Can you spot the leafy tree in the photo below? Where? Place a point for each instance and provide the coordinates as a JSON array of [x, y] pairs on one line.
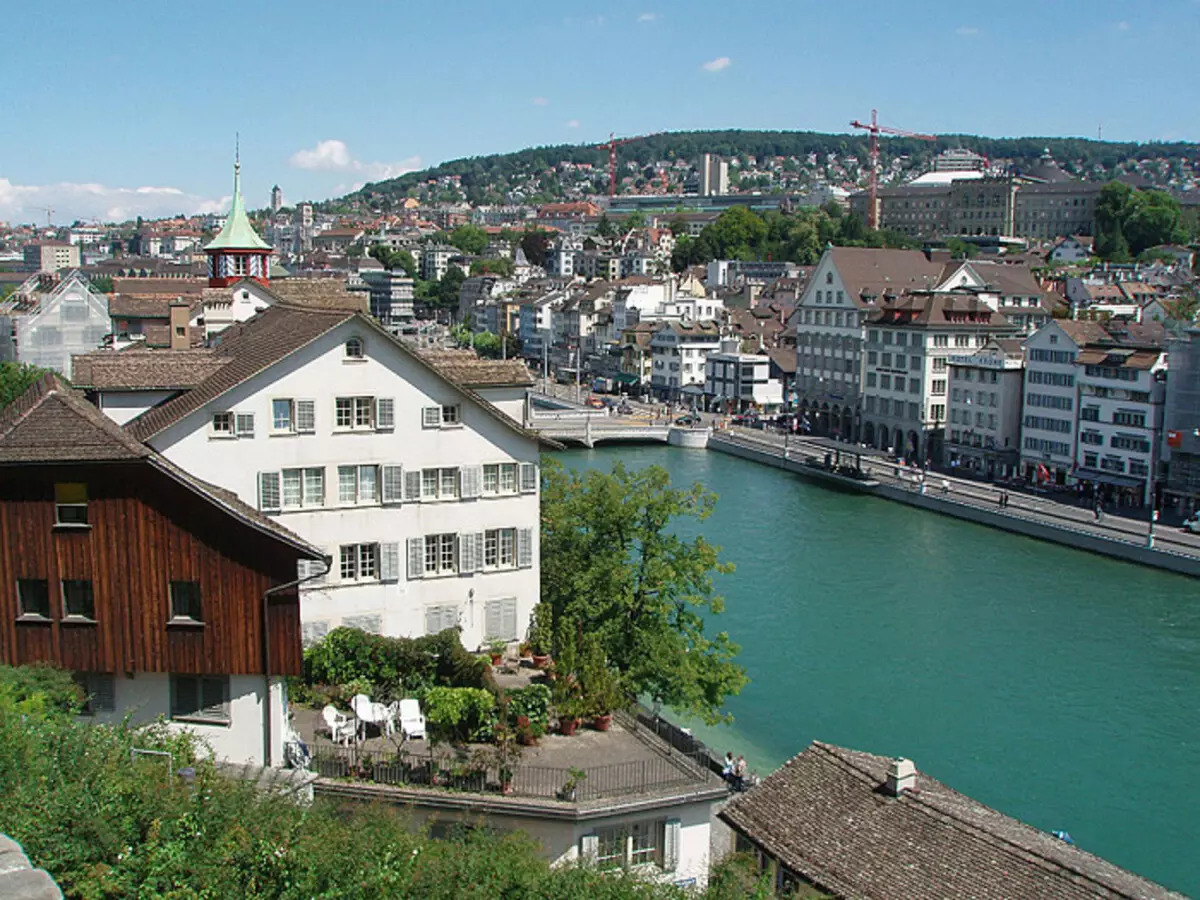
[[470, 239], [961, 249], [102, 284], [391, 259], [448, 286], [501, 266], [15, 379], [536, 244], [1183, 308], [612, 563], [354, 251], [605, 228]]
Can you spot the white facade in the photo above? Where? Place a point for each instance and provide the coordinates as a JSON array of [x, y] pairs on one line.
[[237, 303], [739, 381], [426, 501], [1048, 431], [69, 320], [983, 434], [243, 735], [678, 353], [124, 406]]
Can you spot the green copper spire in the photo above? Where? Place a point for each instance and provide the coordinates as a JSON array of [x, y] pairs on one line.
[[238, 233]]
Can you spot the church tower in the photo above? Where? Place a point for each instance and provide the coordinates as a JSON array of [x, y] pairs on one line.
[[237, 251]]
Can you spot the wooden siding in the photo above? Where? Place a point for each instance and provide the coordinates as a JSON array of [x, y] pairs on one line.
[[145, 530]]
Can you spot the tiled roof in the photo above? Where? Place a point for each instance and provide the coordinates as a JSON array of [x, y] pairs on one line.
[[870, 271], [465, 367], [53, 423], [159, 287], [827, 817], [1118, 359], [940, 309], [320, 293], [139, 369]]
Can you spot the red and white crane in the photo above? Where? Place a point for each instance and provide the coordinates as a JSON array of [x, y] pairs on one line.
[[611, 146], [875, 130]]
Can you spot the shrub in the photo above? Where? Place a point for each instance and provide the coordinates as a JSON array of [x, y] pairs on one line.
[[460, 714], [533, 703], [39, 689]]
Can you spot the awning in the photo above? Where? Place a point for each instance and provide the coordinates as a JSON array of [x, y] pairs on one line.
[[1109, 478], [624, 378]]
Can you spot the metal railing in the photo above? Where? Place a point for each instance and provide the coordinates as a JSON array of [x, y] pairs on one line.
[[643, 776]]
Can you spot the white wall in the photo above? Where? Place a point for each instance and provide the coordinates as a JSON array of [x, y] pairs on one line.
[[147, 696], [320, 372], [123, 406], [509, 400]]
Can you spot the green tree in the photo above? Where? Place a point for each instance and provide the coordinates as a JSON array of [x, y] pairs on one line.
[[101, 283], [604, 227], [613, 562], [448, 287], [961, 249], [15, 379], [536, 244], [499, 266], [470, 239]]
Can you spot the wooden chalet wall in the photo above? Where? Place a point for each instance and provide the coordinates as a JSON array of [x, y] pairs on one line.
[[144, 531]]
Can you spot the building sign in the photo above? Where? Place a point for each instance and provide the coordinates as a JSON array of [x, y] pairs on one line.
[[983, 361]]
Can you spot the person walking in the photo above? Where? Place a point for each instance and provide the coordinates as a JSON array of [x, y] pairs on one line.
[[739, 774], [1098, 509], [727, 768]]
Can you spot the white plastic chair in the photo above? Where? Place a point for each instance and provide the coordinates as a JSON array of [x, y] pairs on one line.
[[341, 729], [412, 723], [369, 712]]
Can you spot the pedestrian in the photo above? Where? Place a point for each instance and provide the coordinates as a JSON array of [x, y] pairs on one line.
[[739, 774], [1000, 499], [945, 486], [727, 767], [1096, 511]]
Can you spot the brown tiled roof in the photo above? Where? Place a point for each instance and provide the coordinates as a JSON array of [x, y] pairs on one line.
[[320, 293], [871, 271], [826, 817], [942, 309], [465, 367], [1083, 331], [141, 306], [141, 369], [158, 287], [784, 359], [158, 335], [53, 423], [1119, 359]]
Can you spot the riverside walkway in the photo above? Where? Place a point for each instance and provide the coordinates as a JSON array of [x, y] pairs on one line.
[[1113, 535]]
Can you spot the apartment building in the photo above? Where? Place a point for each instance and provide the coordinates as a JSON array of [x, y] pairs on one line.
[[678, 351], [1181, 444], [735, 382], [50, 256], [983, 434]]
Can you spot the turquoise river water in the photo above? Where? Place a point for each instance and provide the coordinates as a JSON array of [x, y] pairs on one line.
[[1054, 685]]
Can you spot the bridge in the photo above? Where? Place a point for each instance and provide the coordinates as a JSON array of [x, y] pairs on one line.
[[591, 427]]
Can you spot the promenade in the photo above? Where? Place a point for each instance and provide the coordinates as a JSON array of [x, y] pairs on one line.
[[1041, 517]]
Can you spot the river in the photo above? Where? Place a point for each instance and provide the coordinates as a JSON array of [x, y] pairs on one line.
[[1057, 686]]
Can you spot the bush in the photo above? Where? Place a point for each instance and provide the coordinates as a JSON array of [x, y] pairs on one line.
[[393, 668], [533, 703], [38, 689], [460, 714]]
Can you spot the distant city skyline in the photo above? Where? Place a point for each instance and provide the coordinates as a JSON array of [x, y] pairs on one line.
[[139, 118]]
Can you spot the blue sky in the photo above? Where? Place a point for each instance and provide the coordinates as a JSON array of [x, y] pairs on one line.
[[117, 113]]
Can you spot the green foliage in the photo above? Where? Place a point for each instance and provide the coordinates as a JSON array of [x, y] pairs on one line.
[[38, 691], [460, 714], [501, 266], [961, 249], [532, 702], [536, 243], [470, 239], [614, 564], [448, 286], [101, 283], [1129, 222], [541, 629], [392, 668], [15, 379], [394, 259]]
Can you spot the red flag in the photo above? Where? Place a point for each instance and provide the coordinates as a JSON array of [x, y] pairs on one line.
[[1174, 438], [1043, 473]]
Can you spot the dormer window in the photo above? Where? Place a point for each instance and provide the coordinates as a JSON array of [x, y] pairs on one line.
[[354, 348]]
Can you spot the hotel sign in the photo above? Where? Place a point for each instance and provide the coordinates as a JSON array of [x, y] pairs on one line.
[[983, 361]]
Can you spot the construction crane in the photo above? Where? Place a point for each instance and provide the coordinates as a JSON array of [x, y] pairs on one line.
[[611, 146], [875, 130], [48, 211]]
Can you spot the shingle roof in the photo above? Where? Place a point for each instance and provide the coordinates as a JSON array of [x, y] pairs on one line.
[[139, 369], [141, 306], [942, 309], [53, 423], [869, 271], [466, 368], [319, 293], [826, 817]]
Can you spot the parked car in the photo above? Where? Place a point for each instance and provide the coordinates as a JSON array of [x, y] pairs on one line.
[[625, 409], [688, 421], [595, 403], [1192, 524]]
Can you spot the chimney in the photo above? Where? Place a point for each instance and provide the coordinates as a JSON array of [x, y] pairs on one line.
[[901, 776], [180, 336]]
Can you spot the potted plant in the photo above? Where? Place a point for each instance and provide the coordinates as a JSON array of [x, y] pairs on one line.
[[604, 696], [504, 756], [541, 633], [570, 713], [496, 648], [568, 790]]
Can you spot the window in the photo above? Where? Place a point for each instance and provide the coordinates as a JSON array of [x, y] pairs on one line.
[[914, 385], [500, 548], [939, 412], [648, 842], [33, 597], [508, 478], [99, 692], [78, 600], [200, 697], [354, 348], [939, 386], [886, 361], [1127, 418], [439, 484], [354, 413], [872, 357], [282, 418], [358, 484], [222, 424], [450, 415], [441, 557], [306, 416], [500, 619], [185, 601], [359, 562], [941, 340], [885, 382], [939, 364], [269, 491], [70, 504], [302, 488]]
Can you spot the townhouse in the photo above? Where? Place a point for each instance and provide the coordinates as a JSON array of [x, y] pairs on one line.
[[678, 351], [984, 428]]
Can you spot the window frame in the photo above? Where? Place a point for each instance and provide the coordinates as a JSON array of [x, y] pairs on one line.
[[290, 427], [69, 616], [63, 502], [227, 428], [190, 616], [198, 715], [348, 354], [23, 612]]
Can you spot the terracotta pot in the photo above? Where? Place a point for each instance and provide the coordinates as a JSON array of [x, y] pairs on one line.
[[568, 726], [602, 723], [540, 662], [497, 658]]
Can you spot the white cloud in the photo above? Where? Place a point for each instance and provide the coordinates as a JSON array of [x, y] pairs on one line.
[[334, 156], [72, 200], [573, 123], [967, 31], [717, 65], [540, 101], [649, 17], [1122, 26]]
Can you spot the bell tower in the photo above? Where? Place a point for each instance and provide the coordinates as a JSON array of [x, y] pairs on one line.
[[237, 251]]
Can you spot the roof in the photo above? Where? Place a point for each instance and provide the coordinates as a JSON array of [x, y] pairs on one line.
[[145, 306], [467, 368], [319, 293], [52, 423], [867, 271], [158, 287], [140, 369], [943, 309], [269, 337], [1118, 358], [237, 233], [827, 817]]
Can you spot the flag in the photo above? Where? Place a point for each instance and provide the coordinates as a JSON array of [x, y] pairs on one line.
[[1174, 439], [1043, 473]]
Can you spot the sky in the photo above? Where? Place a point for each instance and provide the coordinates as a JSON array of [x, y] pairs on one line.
[[127, 108]]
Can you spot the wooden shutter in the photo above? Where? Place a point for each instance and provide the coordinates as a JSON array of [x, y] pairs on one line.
[[528, 478], [589, 847], [470, 482], [449, 617], [245, 425], [493, 620], [433, 619], [269, 491], [385, 413], [306, 416], [671, 845], [431, 417], [389, 561], [412, 486], [468, 553], [392, 489], [416, 557], [524, 548]]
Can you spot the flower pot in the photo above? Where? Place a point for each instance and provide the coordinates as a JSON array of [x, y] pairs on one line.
[[567, 795], [568, 726], [602, 723], [540, 662], [497, 658]]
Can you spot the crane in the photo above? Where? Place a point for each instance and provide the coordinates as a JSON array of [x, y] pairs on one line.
[[611, 146], [875, 130], [48, 211]]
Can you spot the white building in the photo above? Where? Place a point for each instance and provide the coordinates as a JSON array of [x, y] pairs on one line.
[[424, 494], [678, 351], [714, 175], [736, 382], [1007, 288], [983, 435], [51, 256], [70, 319], [435, 260]]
